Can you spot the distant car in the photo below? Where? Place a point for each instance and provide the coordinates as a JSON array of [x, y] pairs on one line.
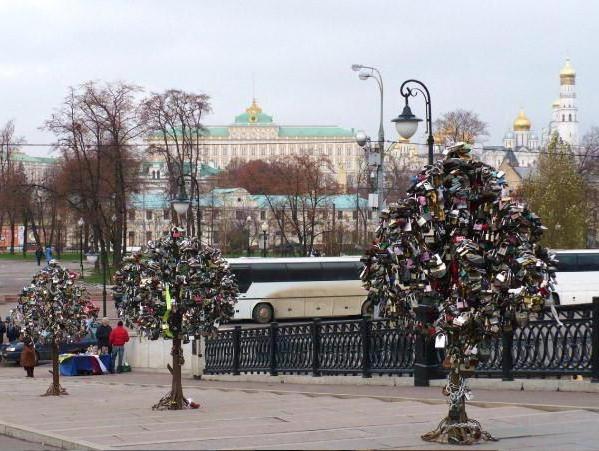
[[12, 351]]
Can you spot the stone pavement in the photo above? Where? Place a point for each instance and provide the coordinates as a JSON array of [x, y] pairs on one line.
[[114, 412]]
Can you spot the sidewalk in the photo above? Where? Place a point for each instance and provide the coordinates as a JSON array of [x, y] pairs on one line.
[[114, 412]]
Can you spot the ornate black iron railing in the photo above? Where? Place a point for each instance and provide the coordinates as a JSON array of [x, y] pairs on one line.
[[364, 346]]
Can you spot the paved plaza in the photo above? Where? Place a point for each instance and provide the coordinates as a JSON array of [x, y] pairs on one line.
[[114, 412]]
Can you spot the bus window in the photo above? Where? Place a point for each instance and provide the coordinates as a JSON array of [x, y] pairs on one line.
[[243, 276], [340, 271], [269, 272], [588, 262], [567, 262], [304, 272]]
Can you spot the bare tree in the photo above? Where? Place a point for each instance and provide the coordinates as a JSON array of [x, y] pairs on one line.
[[459, 125], [173, 125]]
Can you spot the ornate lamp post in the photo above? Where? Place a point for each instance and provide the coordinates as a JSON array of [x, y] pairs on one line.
[[363, 141], [264, 236], [248, 224], [182, 203], [406, 123], [81, 223]]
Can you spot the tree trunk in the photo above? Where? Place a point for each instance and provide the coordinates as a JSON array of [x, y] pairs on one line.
[[177, 387], [55, 389], [12, 237], [25, 236]]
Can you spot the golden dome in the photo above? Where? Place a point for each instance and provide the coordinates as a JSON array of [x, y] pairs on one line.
[[567, 75], [521, 123]]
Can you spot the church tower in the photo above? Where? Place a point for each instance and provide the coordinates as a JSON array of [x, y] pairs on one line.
[[565, 113]]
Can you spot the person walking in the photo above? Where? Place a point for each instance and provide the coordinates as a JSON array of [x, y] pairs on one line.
[[103, 336], [39, 253], [48, 253], [118, 338], [28, 357]]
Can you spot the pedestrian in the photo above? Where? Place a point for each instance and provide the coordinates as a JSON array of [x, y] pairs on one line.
[[12, 331], [2, 331], [48, 253], [28, 357], [103, 336], [118, 338], [39, 253]]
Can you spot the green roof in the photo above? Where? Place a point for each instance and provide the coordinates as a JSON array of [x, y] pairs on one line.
[[149, 201], [18, 156], [219, 132], [259, 118], [325, 131]]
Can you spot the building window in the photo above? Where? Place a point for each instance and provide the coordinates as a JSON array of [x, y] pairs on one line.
[[149, 215], [355, 214], [153, 174], [158, 175], [563, 118], [370, 215], [570, 117], [262, 215], [131, 215], [131, 238], [166, 214], [239, 215], [149, 235], [339, 214]]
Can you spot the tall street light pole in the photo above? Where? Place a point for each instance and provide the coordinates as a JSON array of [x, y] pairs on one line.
[[406, 123], [81, 223], [373, 72]]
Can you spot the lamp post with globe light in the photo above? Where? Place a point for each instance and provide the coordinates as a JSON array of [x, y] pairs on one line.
[[376, 157], [81, 223], [182, 203], [407, 123]]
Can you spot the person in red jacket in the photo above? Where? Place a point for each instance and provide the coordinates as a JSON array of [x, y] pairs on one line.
[[118, 338]]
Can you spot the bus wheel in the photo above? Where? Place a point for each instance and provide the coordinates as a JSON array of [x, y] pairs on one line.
[[263, 313], [367, 309]]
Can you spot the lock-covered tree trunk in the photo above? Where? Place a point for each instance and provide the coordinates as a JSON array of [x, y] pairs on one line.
[[55, 389], [174, 400]]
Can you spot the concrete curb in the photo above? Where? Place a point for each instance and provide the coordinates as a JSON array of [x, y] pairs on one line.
[[398, 381], [47, 438]]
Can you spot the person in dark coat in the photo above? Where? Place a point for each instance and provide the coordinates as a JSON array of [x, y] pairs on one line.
[[12, 331], [39, 253], [2, 331], [103, 336], [28, 357]]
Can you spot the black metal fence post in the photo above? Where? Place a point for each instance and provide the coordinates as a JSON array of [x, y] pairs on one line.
[[507, 360], [316, 347], [274, 331], [236, 349], [595, 342], [424, 352], [366, 332]]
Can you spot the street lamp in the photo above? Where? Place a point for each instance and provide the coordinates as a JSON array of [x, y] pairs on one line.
[[182, 203], [406, 123], [264, 234], [248, 223], [81, 223], [366, 73]]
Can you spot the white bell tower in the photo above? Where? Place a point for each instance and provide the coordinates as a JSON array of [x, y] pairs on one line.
[[565, 113]]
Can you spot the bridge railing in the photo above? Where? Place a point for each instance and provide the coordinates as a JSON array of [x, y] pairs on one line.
[[366, 347]]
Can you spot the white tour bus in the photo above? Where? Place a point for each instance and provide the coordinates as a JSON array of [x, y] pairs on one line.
[[310, 287], [577, 276], [302, 287]]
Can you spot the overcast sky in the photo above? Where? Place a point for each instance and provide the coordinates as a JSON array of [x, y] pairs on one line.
[[492, 57]]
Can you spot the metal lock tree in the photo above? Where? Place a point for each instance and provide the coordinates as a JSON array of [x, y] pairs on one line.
[[175, 288], [457, 245], [54, 310]]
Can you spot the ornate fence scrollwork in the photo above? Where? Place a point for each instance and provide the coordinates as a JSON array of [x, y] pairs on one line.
[[541, 348]]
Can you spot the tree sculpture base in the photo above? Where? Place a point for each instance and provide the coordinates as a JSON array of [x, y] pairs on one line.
[[456, 428], [55, 390], [172, 402]]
